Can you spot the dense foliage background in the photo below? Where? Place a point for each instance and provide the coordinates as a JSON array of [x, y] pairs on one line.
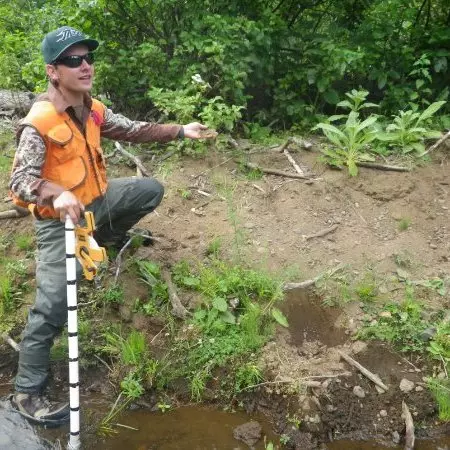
[[281, 63]]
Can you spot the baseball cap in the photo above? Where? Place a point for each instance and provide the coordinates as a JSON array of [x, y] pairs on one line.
[[57, 41]]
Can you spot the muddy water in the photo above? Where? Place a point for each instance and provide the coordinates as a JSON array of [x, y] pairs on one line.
[[310, 321], [192, 428]]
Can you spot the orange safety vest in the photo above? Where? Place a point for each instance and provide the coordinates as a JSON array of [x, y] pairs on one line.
[[73, 160]]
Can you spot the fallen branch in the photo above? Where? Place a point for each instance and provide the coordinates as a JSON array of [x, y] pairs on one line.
[[321, 233], [437, 144], [304, 380], [367, 373], [409, 424], [294, 164], [133, 158], [214, 167], [285, 145], [11, 342], [307, 283], [383, 167], [119, 258], [178, 309], [14, 213], [276, 172]]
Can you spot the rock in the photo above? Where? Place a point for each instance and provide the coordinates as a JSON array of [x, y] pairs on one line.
[[249, 433], [383, 413], [428, 334], [359, 391], [406, 385], [358, 347], [419, 388], [396, 437]]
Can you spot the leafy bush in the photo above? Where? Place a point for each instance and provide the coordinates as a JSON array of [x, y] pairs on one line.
[[350, 140]]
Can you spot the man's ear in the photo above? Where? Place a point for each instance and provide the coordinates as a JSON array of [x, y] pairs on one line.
[[52, 73]]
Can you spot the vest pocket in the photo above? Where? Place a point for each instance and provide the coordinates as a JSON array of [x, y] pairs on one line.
[[69, 174]]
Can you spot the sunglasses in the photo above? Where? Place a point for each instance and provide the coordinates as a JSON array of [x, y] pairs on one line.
[[75, 60]]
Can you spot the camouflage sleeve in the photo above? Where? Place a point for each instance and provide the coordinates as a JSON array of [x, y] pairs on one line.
[[116, 126], [26, 182]]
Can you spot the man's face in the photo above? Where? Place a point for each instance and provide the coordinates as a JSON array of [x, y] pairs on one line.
[[75, 79]]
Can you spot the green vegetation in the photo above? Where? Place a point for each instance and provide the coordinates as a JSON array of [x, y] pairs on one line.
[[270, 63], [404, 223]]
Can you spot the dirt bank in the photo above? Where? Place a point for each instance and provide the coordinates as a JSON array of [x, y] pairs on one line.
[[379, 221]]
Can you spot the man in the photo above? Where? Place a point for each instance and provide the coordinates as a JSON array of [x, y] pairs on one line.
[[59, 171]]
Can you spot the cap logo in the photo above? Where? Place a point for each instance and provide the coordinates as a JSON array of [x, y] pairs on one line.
[[67, 34]]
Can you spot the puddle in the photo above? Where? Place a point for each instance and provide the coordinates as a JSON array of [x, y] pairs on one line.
[[310, 321]]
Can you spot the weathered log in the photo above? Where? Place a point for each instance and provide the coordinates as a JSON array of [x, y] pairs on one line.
[[15, 102]]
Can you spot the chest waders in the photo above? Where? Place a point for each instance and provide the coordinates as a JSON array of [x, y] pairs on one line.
[[79, 244]]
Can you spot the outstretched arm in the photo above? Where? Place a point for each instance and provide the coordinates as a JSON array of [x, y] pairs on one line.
[[119, 127]]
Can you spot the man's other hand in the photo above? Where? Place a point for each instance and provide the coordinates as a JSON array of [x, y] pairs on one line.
[[67, 204]]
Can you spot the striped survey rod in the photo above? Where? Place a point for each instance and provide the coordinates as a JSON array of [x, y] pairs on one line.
[[72, 329]]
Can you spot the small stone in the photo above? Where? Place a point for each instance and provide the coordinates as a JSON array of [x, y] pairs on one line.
[[359, 391], [249, 433], [433, 246], [383, 413], [406, 385], [396, 437], [419, 388], [331, 408]]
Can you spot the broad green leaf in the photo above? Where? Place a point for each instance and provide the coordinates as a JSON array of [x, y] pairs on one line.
[[418, 147], [336, 117], [432, 109], [228, 317], [331, 96], [331, 128], [366, 123], [419, 83], [220, 304], [382, 79], [345, 104], [369, 105], [280, 317]]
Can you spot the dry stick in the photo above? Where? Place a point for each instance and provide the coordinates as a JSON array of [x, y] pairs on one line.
[[133, 158], [383, 167], [277, 172], [285, 145], [177, 308], [371, 376], [336, 375], [119, 258], [214, 167], [437, 144], [11, 342], [409, 433], [294, 164], [307, 283], [321, 233]]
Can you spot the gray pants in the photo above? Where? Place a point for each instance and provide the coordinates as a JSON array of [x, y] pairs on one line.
[[127, 200]]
